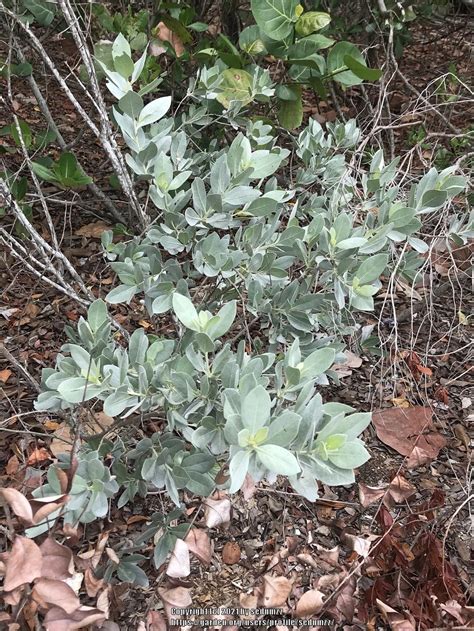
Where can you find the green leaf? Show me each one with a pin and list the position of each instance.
(311, 22)
(186, 312)
(122, 293)
(361, 70)
(124, 65)
(250, 41)
(278, 459)
(290, 113)
(238, 468)
(318, 362)
(67, 165)
(336, 66)
(276, 18)
(371, 269)
(255, 409)
(226, 316)
(97, 314)
(154, 111)
(43, 11)
(131, 104)
(25, 132)
(44, 173)
(350, 455)
(235, 85)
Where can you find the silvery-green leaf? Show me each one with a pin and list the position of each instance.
(277, 459)
(349, 456)
(155, 110)
(351, 242)
(238, 468)
(318, 362)
(186, 312)
(120, 47)
(255, 409)
(77, 389)
(122, 293)
(97, 314)
(371, 268)
(283, 429)
(225, 318)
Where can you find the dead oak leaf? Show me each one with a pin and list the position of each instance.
(57, 560)
(199, 544)
(217, 512)
(57, 619)
(23, 564)
(276, 590)
(167, 35)
(53, 592)
(409, 431)
(310, 603)
(5, 375)
(175, 598)
(92, 230)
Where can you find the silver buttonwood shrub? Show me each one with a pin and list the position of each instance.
(240, 228)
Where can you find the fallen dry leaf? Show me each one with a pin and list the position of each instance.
(217, 512)
(62, 440)
(310, 603)
(23, 564)
(38, 455)
(410, 432)
(395, 620)
(231, 553)
(92, 230)
(155, 621)
(13, 465)
(344, 369)
(199, 544)
(179, 565)
(5, 375)
(396, 492)
(18, 503)
(54, 592)
(175, 597)
(276, 590)
(166, 35)
(57, 619)
(57, 560)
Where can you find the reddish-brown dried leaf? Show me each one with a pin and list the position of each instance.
(92, 230)
(37, 456)
(276, 590)
(56, 593)
(231, 553)
(310, 603)
(23, 564)
(57, 560)
(59, 620)
(18, 503)
(409, 431)
(167, 35)
(5, 375)
(176, 597)
(155, 621)
(199, 544)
